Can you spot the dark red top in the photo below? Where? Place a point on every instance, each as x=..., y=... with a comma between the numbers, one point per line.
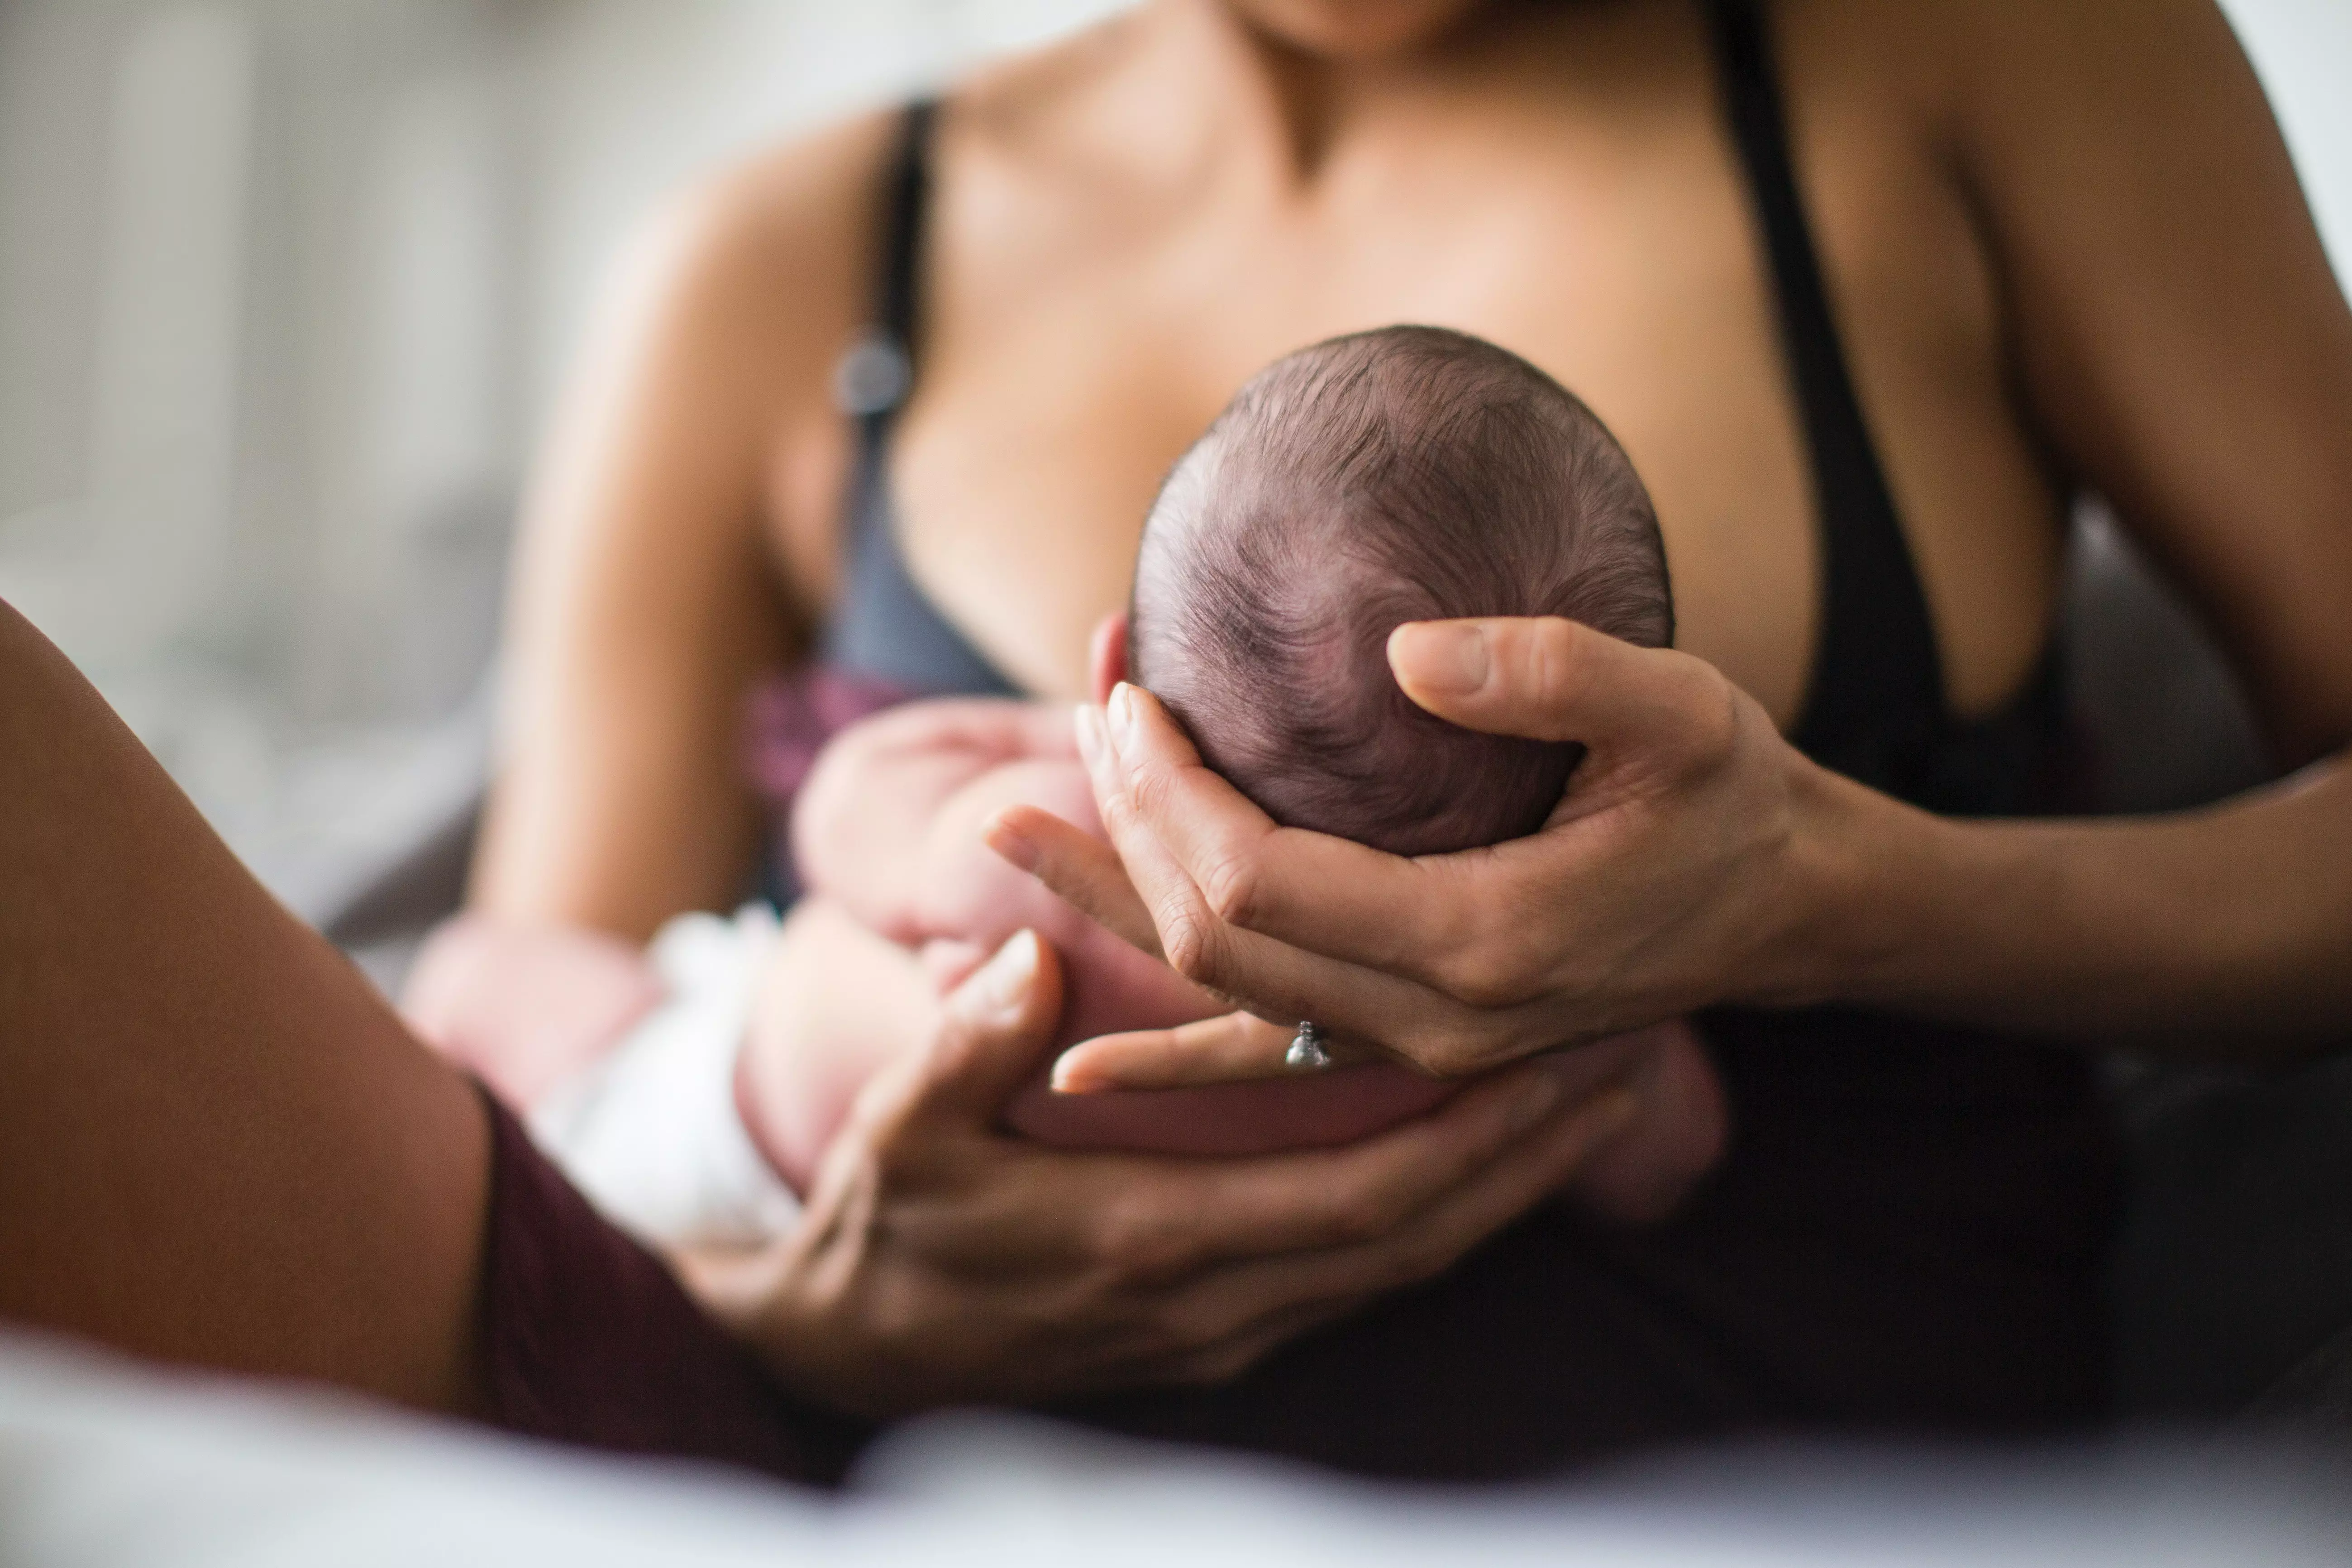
x=586, y=1338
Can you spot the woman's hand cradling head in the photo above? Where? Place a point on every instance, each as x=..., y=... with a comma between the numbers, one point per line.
x=1681, y=868
x=942, y=1260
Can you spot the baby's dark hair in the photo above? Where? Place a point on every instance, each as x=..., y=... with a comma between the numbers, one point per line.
x=1407, y=474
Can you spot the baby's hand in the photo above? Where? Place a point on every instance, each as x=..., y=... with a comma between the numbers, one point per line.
x=890, y=820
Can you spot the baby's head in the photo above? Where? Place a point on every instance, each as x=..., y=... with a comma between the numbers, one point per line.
x=1408, y=474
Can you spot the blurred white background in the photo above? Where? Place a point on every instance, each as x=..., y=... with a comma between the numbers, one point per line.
x=285, y=288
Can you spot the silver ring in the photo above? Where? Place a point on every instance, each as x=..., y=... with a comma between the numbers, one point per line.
x=1306, y=1053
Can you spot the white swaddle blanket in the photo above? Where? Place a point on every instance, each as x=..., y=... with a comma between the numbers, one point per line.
x=652, y=1134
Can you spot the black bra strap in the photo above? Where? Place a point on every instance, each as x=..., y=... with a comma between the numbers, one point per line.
x=900, y=308
x=878, y=371
x=873, y=378
x=1876, y=693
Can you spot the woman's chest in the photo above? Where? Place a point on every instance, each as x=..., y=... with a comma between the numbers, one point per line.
x=1055, y=394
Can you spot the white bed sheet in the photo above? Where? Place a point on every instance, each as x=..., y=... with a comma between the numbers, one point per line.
x=105, y=1463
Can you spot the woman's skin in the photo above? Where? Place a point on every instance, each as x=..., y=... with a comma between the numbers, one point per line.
x=2065, y=243
x=1768, y=872
x=2067, y=250
x=945, y=1261
x=219, y=1147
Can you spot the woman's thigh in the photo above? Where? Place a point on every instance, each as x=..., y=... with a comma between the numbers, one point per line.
x=217, y=1144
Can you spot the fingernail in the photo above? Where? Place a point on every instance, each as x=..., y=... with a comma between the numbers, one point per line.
x=1448, y=659
x=1088, y=724
x=1069, y=1075
x=1003, y=982
x=1012, y=845
x=1123, y=718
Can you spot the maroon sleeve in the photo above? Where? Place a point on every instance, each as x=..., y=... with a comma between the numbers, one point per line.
x=586, y=1338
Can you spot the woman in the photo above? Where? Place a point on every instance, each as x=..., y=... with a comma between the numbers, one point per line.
x=2003, y=249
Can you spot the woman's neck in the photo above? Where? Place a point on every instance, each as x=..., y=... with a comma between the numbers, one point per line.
x=1261, y=106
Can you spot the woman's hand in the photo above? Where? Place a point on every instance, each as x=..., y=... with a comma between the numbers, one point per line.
x=942, y=1260
x=1681, y=868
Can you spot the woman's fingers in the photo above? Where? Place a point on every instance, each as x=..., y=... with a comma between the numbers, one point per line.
x=1091, y=876
x=1213, y=871
x=1235, y=1211
x=1260, y=1300
x=1553, y=679
x=1151, y=1223
x=1365, y=1012
x=1356, y=1007
x=1320, y=908
x=1000, y=1023
x=1168, y=889
x=1241, y=869
x=942, y=1260
x=1084, y=870
x=1238, y=1047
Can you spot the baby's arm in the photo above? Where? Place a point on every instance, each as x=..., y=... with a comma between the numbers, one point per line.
x=887, y=840
x=835, y=1004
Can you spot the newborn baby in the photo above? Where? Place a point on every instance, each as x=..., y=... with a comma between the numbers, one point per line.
x=1399, y=474
x=1406, y=474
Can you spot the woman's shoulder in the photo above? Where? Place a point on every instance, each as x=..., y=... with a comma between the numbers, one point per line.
x=823, y=188
x=1955, y=59
x=770, y=253
x=780, y=248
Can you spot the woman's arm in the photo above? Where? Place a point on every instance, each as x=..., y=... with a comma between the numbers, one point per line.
x=2179, y=338
x=676, y=549
x=2185, y=348
x=2228, y=929
x=2188, y=351
x=217, y=1145
x=1697, y=858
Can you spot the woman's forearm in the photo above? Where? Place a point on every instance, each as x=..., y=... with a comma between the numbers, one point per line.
x=1700, y=859
x=2224, y=933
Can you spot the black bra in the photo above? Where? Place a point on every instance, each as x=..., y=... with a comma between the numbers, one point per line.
x=1875, y=707
x=1910, y=1226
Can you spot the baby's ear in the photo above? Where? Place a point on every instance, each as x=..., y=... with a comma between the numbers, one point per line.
x=1106, y=656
